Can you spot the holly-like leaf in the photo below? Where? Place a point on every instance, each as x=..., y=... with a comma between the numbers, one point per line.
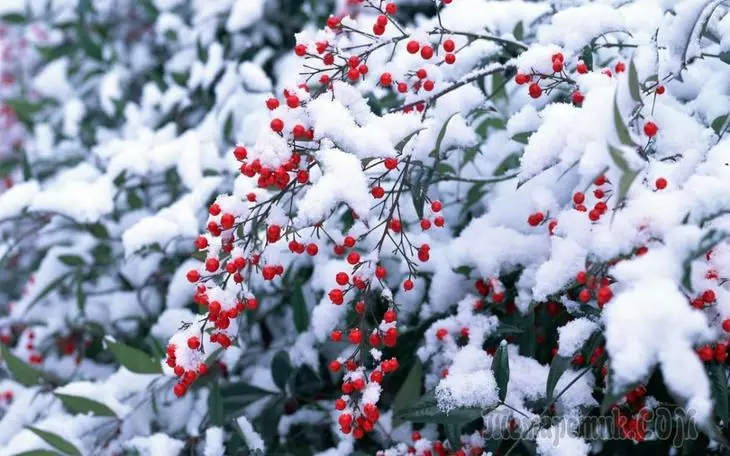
x=408, y=393
x=522, y=138
x=558, y=366
x=56, y=441
x=426, y=410
x=718, y=382
x=134, y=359
x=84, y=405
x=22, y=373
x=719, y=124
x=621, y=130
x=299, y=310
x=281, y=369
x=634, y=86
x=71, y=260
x=215, y=405
x=500, y=369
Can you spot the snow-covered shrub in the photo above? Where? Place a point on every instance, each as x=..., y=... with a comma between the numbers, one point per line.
x=466, y=227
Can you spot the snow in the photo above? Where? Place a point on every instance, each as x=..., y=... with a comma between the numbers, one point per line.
x=573, y=335
x=253, y=439
x=156, y=444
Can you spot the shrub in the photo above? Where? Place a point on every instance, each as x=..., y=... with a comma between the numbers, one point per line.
x=485, y=227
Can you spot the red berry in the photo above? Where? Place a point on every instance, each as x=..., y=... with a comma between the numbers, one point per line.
x=353, y=258
x=438, y=221
x=342, y=278
x=441, y=333
x=581, y=68
x=353, y=74
x=708, y=296
x=661, y=183
x=300, y=50
x=620, y=67
x=377, y=192
x=389, y=316
x=277, y=125
x=240, y=153
x=436, y=206
x=336, y=335
x=535, y=90
x=179, y=390
x=577, y=97
x=413, y=46
x=391, y=8
x=193, y=276
x=390, y=163
x=584, y=295
x=395, y=225
x=386, y=79
x=214, y=209
x=272, y=103
x=333, y=22
x=340, y=404
x=273, y=233
x=660, y=90
x=449, y=45
x=421, y=73
x=212, y=264
x=450, y=59
x=428, y=86
x=521, y=78
x=193, y=343
x=426, y=52
x=408, y=285
x=355, y=336
x=349, y=242
x=227, y=221
x=650, y=129
x=579, y=198
x=425, y=224
x=292, y=101
x=382, y=20
x=557, y=66
x=726, y=324
x=335, y=366
x=536, y=219
x=336, y=296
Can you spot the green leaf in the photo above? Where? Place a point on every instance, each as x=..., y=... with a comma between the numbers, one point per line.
x=13, y=18
x=38, y=453
x=408, y=393
x=180, y=79
x=464, y=270
x=718, y=125
x=522, y=138
x=133, y=200
x=228, y=127
x=281, y=369
x=22, y=373
x=134, y=359
x=634, y=87
x=215, y=405
x=618, y=157
x=419, y=187
x=558, y=366
x=507, y=330
x=444, y=168
x=587, y=57
x=519, y=31
x=80, y=294
x=426, y=411
x=442, y=135
x=500, y=369
x=473, y=196
x=453, y=434
x=91, y=48
x=299, y=310
x=98, y=230
x=402, y=143
x=718, y=382
x=71, y=260
x=621, y=130
x=51, y=53
x=84, y=405
x=512, y=161
x=56, y=441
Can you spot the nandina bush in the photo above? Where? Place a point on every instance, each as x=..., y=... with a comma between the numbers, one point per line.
x=479, y=227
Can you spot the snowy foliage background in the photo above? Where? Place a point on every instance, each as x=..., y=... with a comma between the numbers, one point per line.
x=364, y=227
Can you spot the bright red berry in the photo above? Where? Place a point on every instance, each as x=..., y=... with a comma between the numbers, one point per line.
x=391, y=8
x=412, y=47
x=650, y=129
x=277, y=125
x=535, y=90
x=386, y=79
x=449, y=45
x=661, y=183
